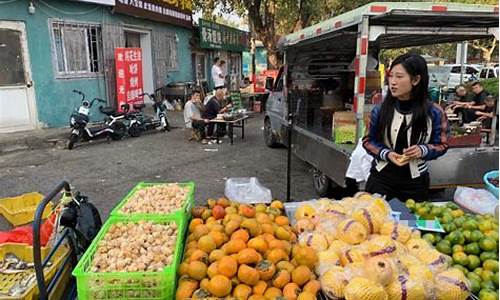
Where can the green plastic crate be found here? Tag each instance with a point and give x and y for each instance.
(129, 285)
(184, 211)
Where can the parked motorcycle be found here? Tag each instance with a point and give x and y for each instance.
(140, 123)
(111, 128)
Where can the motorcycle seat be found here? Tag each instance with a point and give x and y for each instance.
(109, 111)
(139, 106)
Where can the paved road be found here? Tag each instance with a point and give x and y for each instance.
(105, 172)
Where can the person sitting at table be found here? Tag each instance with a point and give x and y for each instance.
(486, 112)
(469, 107)
(193, 119)
(212, 108)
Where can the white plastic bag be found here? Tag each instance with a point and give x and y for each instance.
(361, 162)
(478, 201)
(247, 190)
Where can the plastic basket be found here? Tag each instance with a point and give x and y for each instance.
(493, 189)
(25, 253)
(185, 211)
(21, 209)
(129, 285)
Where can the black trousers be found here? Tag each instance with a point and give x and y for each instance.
(401, 188)
(199, 125)
(221, 129)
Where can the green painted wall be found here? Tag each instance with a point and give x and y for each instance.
(54, 98)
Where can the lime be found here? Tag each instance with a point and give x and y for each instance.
(495, 278)
(444, 246)
(457, 248)
(472, 248)
(491, 265)
(462, 269)
(470, 225)
(457, 213)
(474, 262)
(487, 275)
(422, 212)
(449, 227)
(436, 211)
(429, 237)
(437, 237)
(478, 271)
(451, 205)
(475, 286)
(410, 201)
(488, 255)
(446, 219)
(460, 221)
(487, 294)
(467, 235)
(492, 234)
(485, 225)
(460, 258)
(488, 285)
(476, 235)
(411, 207)
(488, 244)
(474, 276)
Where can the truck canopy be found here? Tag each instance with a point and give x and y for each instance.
(429, 23)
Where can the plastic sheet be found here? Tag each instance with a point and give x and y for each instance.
(478, 201)
(247, 190)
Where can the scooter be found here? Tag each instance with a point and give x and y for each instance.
(111, 128)
(138, 122)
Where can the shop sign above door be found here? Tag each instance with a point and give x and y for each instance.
(177, 12)
(218, 36)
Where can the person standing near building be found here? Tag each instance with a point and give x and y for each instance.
(217, 75)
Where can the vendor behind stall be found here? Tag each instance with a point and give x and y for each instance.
(486, 113)
(405, 131)
(212, 108)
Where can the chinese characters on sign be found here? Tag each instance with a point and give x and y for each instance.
(128, 76)
(218, 36)
(178, 12)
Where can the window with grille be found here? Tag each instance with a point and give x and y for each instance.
(77, 49)
(171, 51)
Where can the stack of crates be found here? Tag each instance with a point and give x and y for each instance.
(135, 285)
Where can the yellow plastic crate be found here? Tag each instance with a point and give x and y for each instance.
(21, 209)
(25, 252)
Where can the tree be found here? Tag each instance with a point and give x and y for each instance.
(487, 47)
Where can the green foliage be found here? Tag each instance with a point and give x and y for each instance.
(491, 86)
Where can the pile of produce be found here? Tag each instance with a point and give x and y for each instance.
(246, 252)
(364, 254)
(471, 240)
(158, 199)
(136, 247)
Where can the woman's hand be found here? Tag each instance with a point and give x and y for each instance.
(398, 159)
(413, 152)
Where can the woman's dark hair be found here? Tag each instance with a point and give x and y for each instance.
(415, 65)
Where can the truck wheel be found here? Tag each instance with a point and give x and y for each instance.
(322, 183)
(270, 138)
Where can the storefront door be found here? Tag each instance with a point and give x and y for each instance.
(17, 96)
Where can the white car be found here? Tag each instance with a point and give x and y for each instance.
(489, 72)
(470, 74)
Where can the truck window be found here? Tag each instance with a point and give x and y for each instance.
(491, 73)
(470, 71)
(483, 73)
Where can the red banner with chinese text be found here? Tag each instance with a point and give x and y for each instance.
(128, 77)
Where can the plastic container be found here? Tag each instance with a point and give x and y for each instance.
(129, 285)
(185, 211)
(25, 253)
(21, 209)
(493, 189)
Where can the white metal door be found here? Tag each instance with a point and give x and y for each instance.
(17, 105)
(17, 101)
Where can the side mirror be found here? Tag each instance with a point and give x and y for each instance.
(269, 83)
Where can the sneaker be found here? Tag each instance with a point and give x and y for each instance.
(204, 141)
